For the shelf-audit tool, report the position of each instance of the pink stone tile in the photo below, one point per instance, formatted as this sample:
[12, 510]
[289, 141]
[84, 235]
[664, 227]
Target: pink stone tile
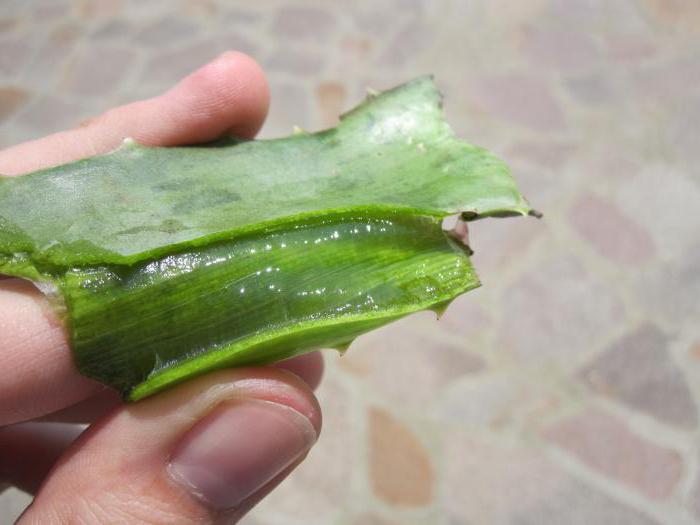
[50, 114]
[592, 89]
[671, 291]
[684, 131]
[13, 55]
[167, 31]
[370, 518]
[403, 364]
[486, 401]
[521, 98]
[575, 503]
[99, 8]
[12, 98]
[608, 446]
[466, 318]
[666, 80]
[663, 198]
[289, 106]
[45, 66]
[295, 60]
[630, 47]
[402, 48]
[331, 97]
[637, 371]
[400, 467]
[610, 232]
[98, 71]
[556, 312]
[488, 482]
[693, 500]
[297, 22]
[548, 155]
[166, 68]
[498, 243]
[675, 15]
[560, 48]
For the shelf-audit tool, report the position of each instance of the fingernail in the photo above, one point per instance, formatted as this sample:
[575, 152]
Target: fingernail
[238, 449]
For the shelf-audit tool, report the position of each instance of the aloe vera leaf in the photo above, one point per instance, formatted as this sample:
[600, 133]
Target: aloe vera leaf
[169, 261]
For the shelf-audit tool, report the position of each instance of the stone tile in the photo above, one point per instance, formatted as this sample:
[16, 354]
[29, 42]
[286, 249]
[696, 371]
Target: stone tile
[560, 48]
[637, 371]
[519, 98]
[331, 97]
[592, 89]
[14, 53]
[555, 313]
[405, 365]
[297, 22]
[630, 47]
[608, 446]
[660, 197]
[543, 155]
[167, 31]
[574, 503]
[295, 61]
[47, 64]
[665, 80]
[98, 70]
[671, 291]
[401, 472]
[684, 132]
[466, 318]
[240, 17]
[693, 500]
[9, 24]
[509, 484]
[12, 98]
[489, 482]
[48, 12]
[406, 44]
[676, 15]
[370, 518]
[610, 232]
[99, 8]
[486, 401]
[50, 114]
[289, 106]
[166, 68]
[499, 243]
[114, 29]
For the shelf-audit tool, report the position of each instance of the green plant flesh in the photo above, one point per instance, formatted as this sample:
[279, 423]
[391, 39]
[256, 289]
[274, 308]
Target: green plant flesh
[169, 262]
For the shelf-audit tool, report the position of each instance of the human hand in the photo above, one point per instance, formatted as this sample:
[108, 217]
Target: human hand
[203, 452]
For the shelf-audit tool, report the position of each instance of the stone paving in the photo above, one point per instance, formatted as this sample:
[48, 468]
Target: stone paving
[566, 389]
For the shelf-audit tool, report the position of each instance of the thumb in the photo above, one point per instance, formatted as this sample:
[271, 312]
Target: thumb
[205, 451]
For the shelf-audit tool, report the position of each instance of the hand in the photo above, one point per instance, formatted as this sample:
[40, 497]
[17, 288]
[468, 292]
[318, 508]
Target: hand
[205, 451]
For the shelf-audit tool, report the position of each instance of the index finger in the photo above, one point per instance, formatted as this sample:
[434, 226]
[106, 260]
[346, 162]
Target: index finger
[230, 94]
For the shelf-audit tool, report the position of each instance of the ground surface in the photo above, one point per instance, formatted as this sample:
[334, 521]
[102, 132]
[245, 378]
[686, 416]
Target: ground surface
[566, 390]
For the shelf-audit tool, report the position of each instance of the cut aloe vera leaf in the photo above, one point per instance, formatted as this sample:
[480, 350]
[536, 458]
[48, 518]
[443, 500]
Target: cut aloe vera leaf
[169, 262]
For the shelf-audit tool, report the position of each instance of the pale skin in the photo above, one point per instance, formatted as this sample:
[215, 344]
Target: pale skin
[117, 471]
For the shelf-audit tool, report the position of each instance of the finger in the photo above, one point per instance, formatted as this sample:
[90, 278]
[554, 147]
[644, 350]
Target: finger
[37, 375]
[308, 367]
[29, 450]
[203, 450]
[88, 410]
[228, 95]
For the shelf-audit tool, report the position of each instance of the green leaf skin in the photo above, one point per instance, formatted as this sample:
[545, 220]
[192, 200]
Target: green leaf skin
[169, 262]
